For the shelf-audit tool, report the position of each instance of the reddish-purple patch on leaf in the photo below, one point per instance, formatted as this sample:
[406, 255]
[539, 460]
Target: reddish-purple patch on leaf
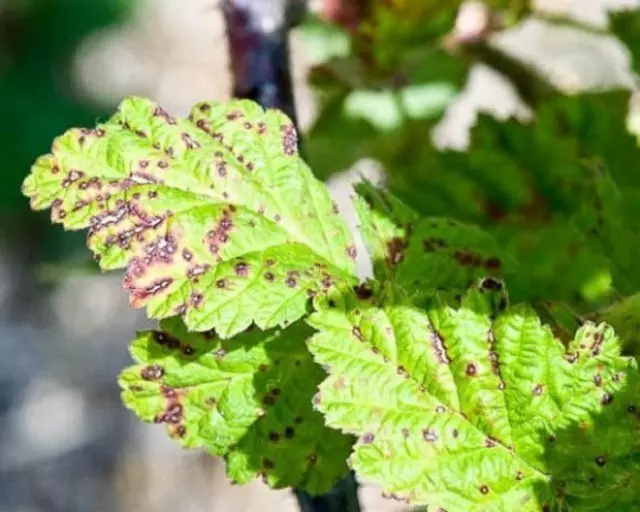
[139, 296]
[152, 372]
[438, 346]
[289, 139]
[395, 251]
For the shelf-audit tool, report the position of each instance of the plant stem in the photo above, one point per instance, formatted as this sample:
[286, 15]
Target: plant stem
[342, 498]
[259, 47]
[257, 31]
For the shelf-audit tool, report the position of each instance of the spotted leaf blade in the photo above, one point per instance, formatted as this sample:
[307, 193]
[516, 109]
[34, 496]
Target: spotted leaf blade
[424, 254]
[247, 398]
[480, 407]
[215, 218]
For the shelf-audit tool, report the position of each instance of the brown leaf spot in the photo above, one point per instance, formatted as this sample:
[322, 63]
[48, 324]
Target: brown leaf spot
[268, 400]
[467, 259]
[152, 372]
[363, 292]
[292, 279]
[395, 251]
[242, 269]
[138, 295]
[471, 370]
[489, 283]
[484, 489]
[537, 391]
[289, 432]
[437, 344]
[221, 283]
[601, 461]
[597, 379]
[274, 437]
[606, 399]
[268, 464]
[357, 333]
[289, 139]
[173, 414]
[367, 438]
[166, 340]
[492, 264]
[429, 435]
[269, 276]
[351, 252]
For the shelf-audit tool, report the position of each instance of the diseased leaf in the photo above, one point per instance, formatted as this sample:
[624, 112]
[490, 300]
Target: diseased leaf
[556, 193]
[247, 399]
[480, 407]
[624, 316]
[424, 254]
[216, 218]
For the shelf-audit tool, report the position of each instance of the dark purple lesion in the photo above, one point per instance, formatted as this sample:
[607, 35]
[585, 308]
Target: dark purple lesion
[219, 235]
[438, 346]
[139, 295]
[162, 113]
[494, 359]
[289, 139]
[395, 251]
[173, 413]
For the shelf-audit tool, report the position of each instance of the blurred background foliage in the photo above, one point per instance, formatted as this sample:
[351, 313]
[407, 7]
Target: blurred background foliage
[557, 187]
[38, 99]
[555, 178]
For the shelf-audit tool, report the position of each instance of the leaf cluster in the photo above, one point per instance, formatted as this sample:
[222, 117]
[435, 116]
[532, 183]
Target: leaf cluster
[487, 365]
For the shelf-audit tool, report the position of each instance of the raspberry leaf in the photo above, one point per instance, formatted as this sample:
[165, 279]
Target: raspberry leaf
[479, 407]
[216, 218]
[247, 398]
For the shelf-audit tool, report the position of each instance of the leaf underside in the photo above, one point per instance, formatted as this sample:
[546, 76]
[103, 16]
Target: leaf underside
[247, 399]
[479, 408]
[216, 218]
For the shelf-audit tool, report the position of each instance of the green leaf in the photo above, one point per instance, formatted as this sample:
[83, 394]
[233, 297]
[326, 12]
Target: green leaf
[625, 24]
[424, 254]
[216, 218]
[480, 407]
[247, 399]
[558, 193]
[624, 316]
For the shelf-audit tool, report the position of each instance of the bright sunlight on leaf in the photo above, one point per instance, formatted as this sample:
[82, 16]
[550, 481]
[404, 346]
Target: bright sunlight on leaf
[479, 407]
[216, 218]
[247, 399]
